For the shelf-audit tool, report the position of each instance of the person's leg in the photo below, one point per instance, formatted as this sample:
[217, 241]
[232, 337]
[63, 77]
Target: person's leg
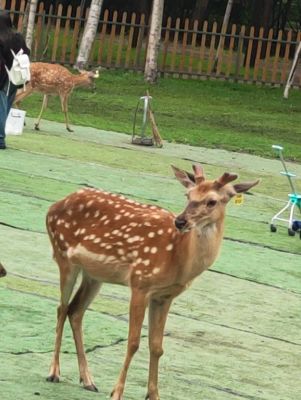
[3, 116]
[11, 97]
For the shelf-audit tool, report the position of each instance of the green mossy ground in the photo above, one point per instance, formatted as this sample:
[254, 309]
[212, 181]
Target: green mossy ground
[234, 334]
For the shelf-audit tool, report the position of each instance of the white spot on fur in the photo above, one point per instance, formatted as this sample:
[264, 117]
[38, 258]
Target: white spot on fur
[133, 239]
[160, 232]
[156, 270]
[154, 250]
[151, 234]
[169, 247]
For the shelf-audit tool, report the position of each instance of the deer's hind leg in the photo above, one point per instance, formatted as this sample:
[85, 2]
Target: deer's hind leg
[81, 301]
[44, 105]
[68, 275]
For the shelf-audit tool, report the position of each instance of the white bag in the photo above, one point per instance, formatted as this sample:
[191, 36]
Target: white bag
[19, 73]
[15, 122]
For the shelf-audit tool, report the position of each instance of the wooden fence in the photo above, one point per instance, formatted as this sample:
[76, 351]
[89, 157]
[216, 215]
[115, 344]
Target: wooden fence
[187, 49]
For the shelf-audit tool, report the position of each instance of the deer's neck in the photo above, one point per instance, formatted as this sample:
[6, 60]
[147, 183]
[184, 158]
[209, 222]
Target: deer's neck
[197, 250]
[79, 80]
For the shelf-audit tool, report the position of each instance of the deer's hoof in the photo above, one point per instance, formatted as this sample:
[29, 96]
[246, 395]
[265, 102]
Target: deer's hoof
[2, 271]
[36, 127]
[91, 388]
[152, 396]
[69, 129]
[53, 378]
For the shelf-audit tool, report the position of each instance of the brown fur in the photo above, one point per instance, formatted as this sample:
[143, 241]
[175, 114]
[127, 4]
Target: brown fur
[54, 79]
[116, 240]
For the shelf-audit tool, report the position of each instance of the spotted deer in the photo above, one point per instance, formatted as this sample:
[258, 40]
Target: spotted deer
[54, 79]
[112, 239]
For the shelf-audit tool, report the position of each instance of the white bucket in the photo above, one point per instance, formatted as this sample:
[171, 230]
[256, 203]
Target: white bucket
[15, 122]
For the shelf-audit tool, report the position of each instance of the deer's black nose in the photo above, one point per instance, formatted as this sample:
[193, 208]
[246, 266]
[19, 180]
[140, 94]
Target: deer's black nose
[180, 223]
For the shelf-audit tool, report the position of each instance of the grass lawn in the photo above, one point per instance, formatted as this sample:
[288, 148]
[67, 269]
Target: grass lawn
[237, 117]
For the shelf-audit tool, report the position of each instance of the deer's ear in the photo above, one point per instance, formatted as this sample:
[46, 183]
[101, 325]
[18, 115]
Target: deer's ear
[184, 177]
[245, 186]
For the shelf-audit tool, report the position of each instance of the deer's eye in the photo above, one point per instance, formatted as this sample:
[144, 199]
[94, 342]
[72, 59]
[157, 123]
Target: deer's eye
[211, 203]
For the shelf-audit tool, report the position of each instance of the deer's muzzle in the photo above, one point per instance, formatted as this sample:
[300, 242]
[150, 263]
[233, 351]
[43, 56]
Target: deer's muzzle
[181, 223]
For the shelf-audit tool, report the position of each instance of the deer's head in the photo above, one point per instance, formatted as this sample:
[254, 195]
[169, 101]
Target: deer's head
[90, 77]
[207, 199]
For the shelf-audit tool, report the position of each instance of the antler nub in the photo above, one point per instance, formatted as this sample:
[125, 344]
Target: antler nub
[225, 178]
[198, 173]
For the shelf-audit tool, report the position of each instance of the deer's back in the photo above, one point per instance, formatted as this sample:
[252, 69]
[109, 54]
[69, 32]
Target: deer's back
[113, 238]
[50, 78]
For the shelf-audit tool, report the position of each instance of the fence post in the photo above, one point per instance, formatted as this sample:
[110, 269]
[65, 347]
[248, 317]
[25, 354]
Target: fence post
[239, 53]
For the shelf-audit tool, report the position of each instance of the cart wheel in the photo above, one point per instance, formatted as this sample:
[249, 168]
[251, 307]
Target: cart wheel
[291, 232]
[273, 228]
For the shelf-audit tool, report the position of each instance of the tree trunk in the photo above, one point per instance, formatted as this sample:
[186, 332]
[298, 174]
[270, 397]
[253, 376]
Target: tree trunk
[261, 17]
[31, 22]
[151, 65]
[89, 34]
[223, 32]
[200, 9]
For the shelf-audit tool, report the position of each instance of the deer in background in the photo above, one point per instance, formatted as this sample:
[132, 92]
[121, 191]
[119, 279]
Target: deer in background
[112, 239]
[54, 79]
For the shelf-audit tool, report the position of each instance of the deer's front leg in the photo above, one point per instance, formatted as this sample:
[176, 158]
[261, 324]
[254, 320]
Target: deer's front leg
[158, 311]
[137, 312]
[81, 301]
